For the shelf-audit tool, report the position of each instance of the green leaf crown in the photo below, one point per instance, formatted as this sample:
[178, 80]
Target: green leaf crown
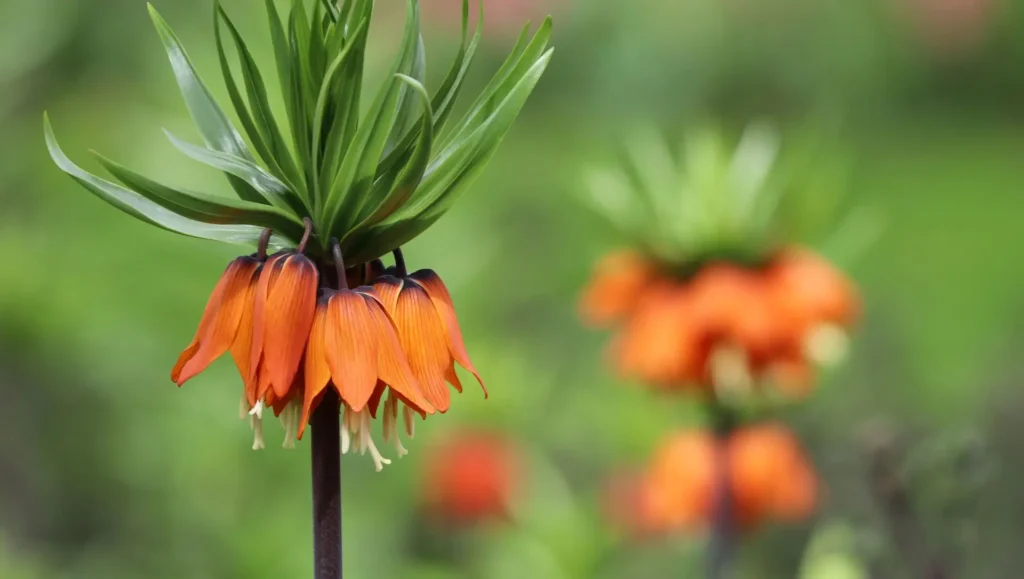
[738, 200]
[374, 181]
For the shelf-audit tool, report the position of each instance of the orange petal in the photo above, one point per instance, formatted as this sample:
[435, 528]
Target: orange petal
[351, 342]
[425, 344]
[392, 365]
[453, 378]
[442, 301]
[378, 394]
[317, 372]
[241, 347]
[387, 288]
[290, 306]
[618, 283]
[268, 275]
[221, 323]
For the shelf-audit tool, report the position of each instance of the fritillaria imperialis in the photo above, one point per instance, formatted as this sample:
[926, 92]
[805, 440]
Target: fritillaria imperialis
[719, 296]
[317, 326]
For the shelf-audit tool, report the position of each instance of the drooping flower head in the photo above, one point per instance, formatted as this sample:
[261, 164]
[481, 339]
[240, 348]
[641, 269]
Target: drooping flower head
[766, 478]
[716, 293]
[331, 191]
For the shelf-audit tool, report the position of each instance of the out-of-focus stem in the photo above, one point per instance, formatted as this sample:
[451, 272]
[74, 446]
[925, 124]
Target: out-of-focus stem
[326, 451]
[722, 543]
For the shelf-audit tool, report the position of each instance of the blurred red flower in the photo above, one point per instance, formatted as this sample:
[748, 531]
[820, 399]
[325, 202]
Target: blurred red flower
[471, 477]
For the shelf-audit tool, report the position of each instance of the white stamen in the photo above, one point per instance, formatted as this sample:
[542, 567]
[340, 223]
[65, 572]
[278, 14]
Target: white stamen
[390, 414]
[256, 422]
[257, 410]
[290, 421]
[827, 345]
[243, 407]
[410, 426]
[366, 441]
[346, 440]
[391, 425]
[730, 370]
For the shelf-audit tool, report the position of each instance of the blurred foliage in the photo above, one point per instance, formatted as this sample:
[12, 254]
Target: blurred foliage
[108, 471]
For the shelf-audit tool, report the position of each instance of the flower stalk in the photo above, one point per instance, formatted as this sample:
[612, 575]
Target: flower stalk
[326, 462]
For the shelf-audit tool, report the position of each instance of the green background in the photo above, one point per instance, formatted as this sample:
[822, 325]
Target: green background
[109, 471]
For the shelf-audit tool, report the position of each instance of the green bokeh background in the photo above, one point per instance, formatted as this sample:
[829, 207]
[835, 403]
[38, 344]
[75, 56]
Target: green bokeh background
[109, 471]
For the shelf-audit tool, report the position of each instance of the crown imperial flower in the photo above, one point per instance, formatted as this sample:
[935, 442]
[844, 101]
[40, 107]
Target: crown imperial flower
[331, 191]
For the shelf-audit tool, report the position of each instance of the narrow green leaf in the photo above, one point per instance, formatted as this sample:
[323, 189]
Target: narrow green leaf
[206, 208]
[447, 94]
[501, 83]
[348, 193]
[407, 103]
[252, 175]
[213, 124]
[281, 161]
[317, 59]
[331, 9]
[300, 39]
[143, 209]
[449, 175]
[448, 169]
[319, 128]
[394, 189]
[282, 55]
[345, 99]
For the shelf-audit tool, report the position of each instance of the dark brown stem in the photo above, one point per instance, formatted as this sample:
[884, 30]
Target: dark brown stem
[339, 264]
[400, 263]
[305, 235]
[722, 543]
[326, 454]
[261, 249]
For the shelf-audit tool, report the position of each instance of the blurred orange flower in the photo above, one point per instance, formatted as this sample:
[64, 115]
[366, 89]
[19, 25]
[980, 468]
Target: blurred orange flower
[768, 478]
[471, 477]
[726, 325]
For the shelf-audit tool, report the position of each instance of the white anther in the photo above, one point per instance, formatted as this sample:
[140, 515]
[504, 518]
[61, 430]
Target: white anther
[256, 422]
[827, 344]
[366, 441]
[257, 410]
[730, 371]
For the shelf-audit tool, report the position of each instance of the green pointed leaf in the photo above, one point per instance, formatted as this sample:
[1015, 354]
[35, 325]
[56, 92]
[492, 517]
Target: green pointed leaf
[348, 194]
[282, 56]
[203, 207]
[319, 129]
[252, 175]
[300, 40]
[408, 103]
[448, 93]
[446, 96]
[280, 159]
[517, 64]
[450, 173]
[143, 209]
[331, 9]
[317, 58]
[465, 157]
[395, 189]
[241, 109]
[345, 100]
[213, 124]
